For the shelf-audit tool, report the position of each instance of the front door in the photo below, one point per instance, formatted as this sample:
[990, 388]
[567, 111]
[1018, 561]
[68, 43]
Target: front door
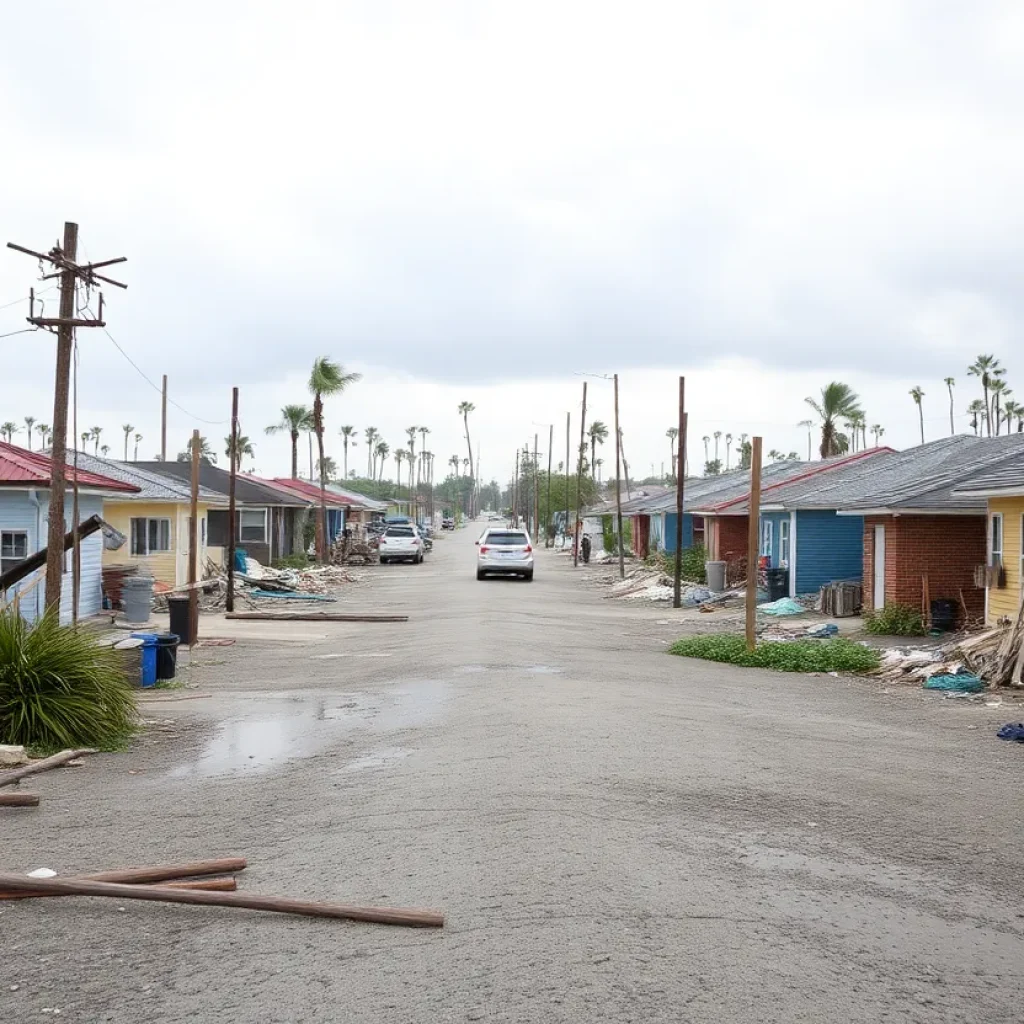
[878, 598]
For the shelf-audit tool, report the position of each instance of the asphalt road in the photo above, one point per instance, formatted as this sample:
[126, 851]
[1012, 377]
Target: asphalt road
[614, 834]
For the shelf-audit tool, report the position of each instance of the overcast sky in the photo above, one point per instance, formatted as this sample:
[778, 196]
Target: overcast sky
[478, 200]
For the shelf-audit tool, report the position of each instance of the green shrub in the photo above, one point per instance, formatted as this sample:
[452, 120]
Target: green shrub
[608, 535]
[296, 561]
[693, 563]
[59, 688]
[895, 620]
[837, 655]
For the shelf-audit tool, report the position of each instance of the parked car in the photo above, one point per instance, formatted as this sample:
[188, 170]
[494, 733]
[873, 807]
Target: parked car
[401, 543]
[506, 552]
[448, 523]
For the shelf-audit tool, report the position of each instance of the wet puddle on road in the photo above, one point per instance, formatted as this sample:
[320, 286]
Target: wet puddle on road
[280, 729]
[533, 670]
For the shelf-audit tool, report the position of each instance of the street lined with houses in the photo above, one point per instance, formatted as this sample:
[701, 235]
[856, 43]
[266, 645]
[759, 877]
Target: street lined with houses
[614, 834]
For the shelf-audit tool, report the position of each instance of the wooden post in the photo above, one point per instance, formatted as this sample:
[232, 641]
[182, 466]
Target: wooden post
[193, 543]
[76, 547]
[677, 585]
[515, 493]
[229, 599]
[548, 539]
[618, 485]
[58, 448]
[579, 482]
[754, 519]
[568, 449]
[163, 421]
[536, 491]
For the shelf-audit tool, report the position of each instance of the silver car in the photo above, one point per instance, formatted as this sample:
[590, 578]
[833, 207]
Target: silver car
[504, 551]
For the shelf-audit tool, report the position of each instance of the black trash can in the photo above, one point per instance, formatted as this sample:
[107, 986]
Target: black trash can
[166, 655]
[180, 625]
[778, 583]
[944, 611]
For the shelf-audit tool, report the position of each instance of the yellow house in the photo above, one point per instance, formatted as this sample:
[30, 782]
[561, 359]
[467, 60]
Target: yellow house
[155, 520]
[1004, 490]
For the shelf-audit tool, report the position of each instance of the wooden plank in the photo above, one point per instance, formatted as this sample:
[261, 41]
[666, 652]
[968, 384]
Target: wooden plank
[8, 778]
[412, 918]
[19, 800]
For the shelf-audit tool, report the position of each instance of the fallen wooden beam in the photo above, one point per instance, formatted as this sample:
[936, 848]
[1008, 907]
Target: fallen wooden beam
[19, 800]
[8, 778]
[276, 904]
[207, 884]
[317, 617]
[37, 560]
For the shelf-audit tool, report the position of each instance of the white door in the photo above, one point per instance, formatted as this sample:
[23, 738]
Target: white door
[878, 600]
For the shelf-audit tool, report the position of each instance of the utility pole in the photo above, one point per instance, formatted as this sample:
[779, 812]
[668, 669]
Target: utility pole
[536, 491]
[229, 601]
[193, 543]
[548, 539]
[579, 482]
[568, 446]
[618, 484]
[62, 257]
[753, 521]
[163, 421]
[515, 495]
[677, 598]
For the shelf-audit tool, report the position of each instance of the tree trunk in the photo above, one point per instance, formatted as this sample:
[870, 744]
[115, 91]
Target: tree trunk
[318, 424]
[346, 458]
[469, 446]
[295, 454]
[920, 413]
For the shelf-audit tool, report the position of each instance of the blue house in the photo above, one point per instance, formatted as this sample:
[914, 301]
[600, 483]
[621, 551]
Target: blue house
[24, 524]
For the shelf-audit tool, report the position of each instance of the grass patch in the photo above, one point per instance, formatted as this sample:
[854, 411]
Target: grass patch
[895, 620]
[296, 561]
[59, 688]
[839, 655]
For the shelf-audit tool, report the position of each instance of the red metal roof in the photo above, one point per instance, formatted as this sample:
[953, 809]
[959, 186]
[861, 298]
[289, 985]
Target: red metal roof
[20, 466]
[307, 491]
[821, 467]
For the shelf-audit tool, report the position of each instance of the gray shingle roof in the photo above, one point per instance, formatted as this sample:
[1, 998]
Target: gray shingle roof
[152, 486]
[215, 480]
[1008, 475]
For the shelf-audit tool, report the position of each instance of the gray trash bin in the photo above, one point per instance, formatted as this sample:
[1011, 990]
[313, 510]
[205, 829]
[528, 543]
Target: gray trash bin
[716, 576]
[137, 597]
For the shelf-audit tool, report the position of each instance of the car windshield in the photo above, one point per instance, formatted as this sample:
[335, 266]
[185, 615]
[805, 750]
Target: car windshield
[506, 537]
[399, 531]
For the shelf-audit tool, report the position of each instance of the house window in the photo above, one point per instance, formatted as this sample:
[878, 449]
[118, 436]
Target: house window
[766, 537]
[150, 536]
[996, 540]
[13, 548]
[252, 526]
[784, 543]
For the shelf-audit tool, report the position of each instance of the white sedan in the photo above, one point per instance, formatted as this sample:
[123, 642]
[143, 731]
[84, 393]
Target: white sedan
[504, 551]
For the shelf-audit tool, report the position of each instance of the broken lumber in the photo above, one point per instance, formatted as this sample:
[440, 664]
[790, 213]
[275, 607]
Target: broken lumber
[207, 884]
[317, 616]
[411, 918]
[37, 560]
[19, 800]
[8, 778]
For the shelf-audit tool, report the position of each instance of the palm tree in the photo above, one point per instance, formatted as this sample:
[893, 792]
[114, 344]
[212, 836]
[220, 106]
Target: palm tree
[326, 378]
[381, 452]
[858, 423]
[86, 438]
[29, 423]
[999, 393]
[399, 459]
[728, 450]
[775, 455]
[597, 434]
[105, 449]
[127, 428]
[135, 454]
[672, 433]
[808, 425]
[424, 457]
[707, 440]
[598, 463]
[8, 430]
[1011, 411]
[410, 433]
[917, 394]
[294, 419]
[851, 432]
[96, 432]
[717, 435]
[878, 431]
[239, 450]
[43, 430]
[950, 382]
[986, 368]
[976, 410]
[206, 453]
[330, 467]
[465, 408]
[346, 435]
[372, 437]
[837, 401]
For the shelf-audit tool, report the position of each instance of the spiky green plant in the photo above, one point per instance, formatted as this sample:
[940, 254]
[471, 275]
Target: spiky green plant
[59, 688]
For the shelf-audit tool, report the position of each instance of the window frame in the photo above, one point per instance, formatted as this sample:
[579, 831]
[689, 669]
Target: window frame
[242, 513]
[784, 556]
[993, 553]
[147, 520]
[13, 559]
[767, 538]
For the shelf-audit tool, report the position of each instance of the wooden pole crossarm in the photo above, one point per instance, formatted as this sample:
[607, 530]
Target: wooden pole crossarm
[57, 321]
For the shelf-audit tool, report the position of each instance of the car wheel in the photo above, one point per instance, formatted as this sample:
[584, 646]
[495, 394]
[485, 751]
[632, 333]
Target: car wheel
[479, 574]
[383, 561]
[528, 576]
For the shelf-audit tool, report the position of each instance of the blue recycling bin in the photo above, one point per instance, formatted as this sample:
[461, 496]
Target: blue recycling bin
[149, 646]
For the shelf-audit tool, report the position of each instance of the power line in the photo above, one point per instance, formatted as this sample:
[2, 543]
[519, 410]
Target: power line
[24, 330]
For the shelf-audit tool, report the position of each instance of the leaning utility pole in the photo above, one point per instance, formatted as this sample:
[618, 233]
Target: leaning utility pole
[63, 257]
[677, 599]
[568, 448]
[618, 473]
[579, 482]
[193, 542]
[229, 599]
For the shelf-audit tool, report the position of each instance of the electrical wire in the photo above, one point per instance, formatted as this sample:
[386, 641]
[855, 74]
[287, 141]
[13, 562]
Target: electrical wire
[24, 330]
